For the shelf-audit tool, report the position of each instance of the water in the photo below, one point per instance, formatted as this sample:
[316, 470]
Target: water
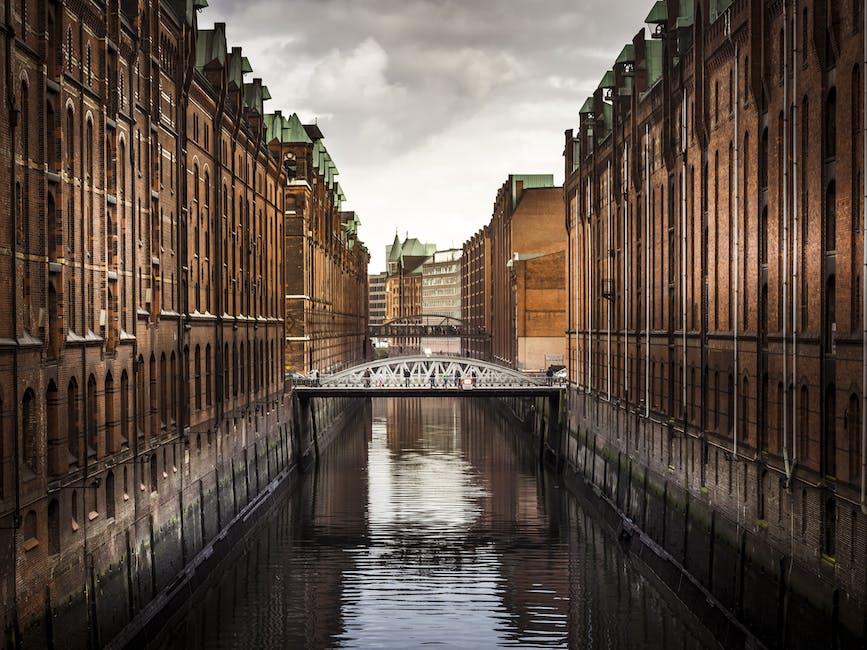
[430, 524]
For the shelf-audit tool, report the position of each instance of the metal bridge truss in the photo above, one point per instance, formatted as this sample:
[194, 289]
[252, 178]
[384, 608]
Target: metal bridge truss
[426, 325]
[427, 371]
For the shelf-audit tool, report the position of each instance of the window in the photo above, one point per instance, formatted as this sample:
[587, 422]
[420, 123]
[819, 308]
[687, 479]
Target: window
[198, 377]
[109, 495]
[830, 442]
[831, 217]
[208, 397]
[90, 419]
[30, 431]
[830, 325]
[829, 528]
[53, 527]
[72, 422]
[853, 431]
[110, 442]
[830, 131]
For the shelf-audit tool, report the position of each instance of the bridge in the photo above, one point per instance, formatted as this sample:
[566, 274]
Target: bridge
[426, 376]
[419, 326]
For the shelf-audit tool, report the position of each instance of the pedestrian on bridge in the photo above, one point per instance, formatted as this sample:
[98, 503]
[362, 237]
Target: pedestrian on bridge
[406, 376]
[549, 376]
[433, 380]
[367, 378]
[458, 378]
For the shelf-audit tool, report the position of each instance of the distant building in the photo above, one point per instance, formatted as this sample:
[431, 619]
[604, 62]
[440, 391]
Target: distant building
[326, 264]
[376, 298]
[476, 295]
[441, 297]
[403, 295]
[522, 265]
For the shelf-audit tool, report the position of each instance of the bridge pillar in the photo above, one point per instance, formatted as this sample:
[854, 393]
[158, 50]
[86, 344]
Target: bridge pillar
[307, 450]
[552, 445]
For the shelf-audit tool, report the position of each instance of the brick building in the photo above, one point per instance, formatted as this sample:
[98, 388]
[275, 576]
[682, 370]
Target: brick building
[141, 354]
[441, 298]
[716, 233]
[475, 295]
[326, 269]
[527, 226]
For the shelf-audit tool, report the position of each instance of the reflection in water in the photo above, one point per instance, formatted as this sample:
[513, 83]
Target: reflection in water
[432, 525]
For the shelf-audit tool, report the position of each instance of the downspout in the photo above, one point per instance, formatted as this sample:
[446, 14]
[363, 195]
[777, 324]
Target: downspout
[734, 213]
[646, 271]
[864, 277]
[14, 115]
[625, 191]
[589, 249]
[683, 134]
[785, 165]
[610, 298]
[794, 450]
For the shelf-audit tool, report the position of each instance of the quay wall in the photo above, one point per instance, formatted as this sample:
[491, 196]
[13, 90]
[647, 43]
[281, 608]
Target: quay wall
[118, 587]
[750, 580]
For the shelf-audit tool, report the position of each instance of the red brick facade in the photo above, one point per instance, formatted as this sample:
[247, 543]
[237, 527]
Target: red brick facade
[141, 353]
[716, 236]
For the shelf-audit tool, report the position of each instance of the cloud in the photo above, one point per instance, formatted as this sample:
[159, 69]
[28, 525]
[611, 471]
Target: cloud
[427, 105]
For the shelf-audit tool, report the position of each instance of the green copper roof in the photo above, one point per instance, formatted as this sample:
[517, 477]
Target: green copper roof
[588, 106]
[245, 65]
[200, 4]
[717, 7]
[659, 13]
[627, 54]
[211, 46]
[530, 181]
[653, 52]
[234, 73]
[265, 93]
[608, 80]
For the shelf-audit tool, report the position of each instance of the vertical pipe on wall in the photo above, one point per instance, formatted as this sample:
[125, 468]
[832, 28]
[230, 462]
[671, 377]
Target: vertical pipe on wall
[795, 189]
[625, 191]
[864, 275]
[646, 270]
[736, 252]
[609, 279]
[683, 133]
[785, 263]
[589, 247]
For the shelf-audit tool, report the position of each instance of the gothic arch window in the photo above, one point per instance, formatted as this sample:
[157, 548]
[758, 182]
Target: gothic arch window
[53, 527]
[208, 378]
[830, 314]
[72, 422]
[109, 495]
[110, 439]
[90, 419]
[152, 393]
[829, 527]
[198, 377]
[124, 409]
[831, 217]
[830, 130]
[164, 382]
[853, 431]
[53, 433]
[30, 431]
[830, 443]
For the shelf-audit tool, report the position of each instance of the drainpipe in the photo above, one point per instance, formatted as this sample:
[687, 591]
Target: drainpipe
[625, 191]
[683, 134]
[646, 271]
[786, 104]
[734, 213]
[589, 247]
[610, 299]
[864, 277]
[794, 450]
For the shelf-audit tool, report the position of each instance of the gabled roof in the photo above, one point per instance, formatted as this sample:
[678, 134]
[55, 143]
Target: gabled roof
[211, 46]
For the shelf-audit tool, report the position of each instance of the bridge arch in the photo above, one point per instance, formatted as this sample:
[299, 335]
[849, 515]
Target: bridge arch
[422, 369]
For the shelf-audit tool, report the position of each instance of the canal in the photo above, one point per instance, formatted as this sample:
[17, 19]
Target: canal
[430, 522]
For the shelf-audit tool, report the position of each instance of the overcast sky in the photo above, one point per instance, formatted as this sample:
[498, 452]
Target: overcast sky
[428, 105]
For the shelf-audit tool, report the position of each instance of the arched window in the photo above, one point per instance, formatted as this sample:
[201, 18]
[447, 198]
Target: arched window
[29, 530]
[109, 495]
[208, 379]
[164, 382]
[830, 314]
[853, 432]
[831, 217]
[56, 454]
[110, 441]
[173, 379]
[74, 510]
[140, 418]
[196, 182]
[198, 376]
[829, 528]
[90, 419]
[152, 393]
[153, 472]
[830, 130]
[124, 409]
[72, 422]
[53, 527]
[241, 373]
[746, 233]
[226, 371]
[234, 369]
[730, 415]
[830, 443]
[30, 431]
